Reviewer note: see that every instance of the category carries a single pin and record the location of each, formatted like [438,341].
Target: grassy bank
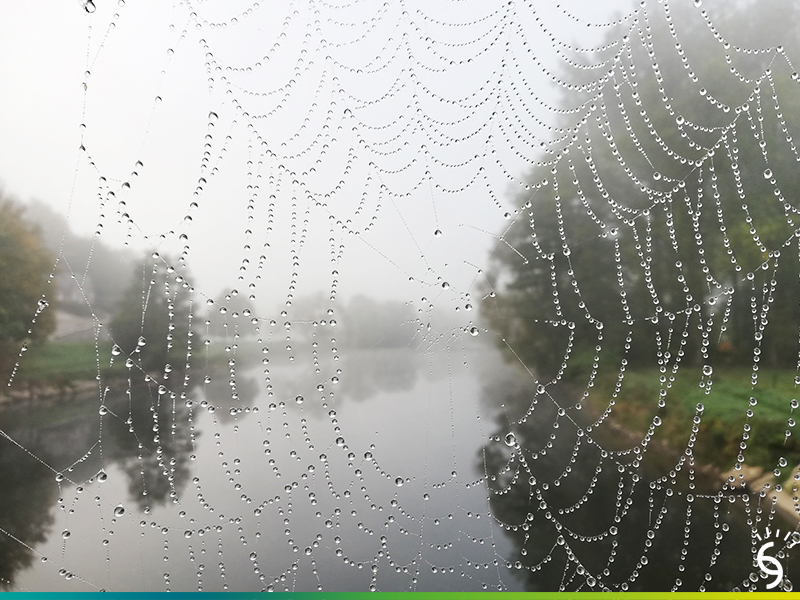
[724,418]
[56,364]
[59,364]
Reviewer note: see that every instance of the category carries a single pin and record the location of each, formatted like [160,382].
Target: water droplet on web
[141,341]
[438,233]
[299,399]
[116,350]
[399,482]
[707,370]
[511,439]
[89,6]
[65,534]
[445,285]
[473,331]
[767,173]
[119,510]
[102,477]
[102,410]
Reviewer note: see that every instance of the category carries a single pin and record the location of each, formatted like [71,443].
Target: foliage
[101,274]
[25,266]
[152,322]
[671,198]
[66,362]
[723,417]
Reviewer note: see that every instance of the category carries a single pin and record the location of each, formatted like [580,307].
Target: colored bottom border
[423,595]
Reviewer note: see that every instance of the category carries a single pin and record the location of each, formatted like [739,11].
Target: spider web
[377,186]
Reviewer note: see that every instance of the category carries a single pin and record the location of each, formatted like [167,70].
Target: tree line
[47,268]
[668,226]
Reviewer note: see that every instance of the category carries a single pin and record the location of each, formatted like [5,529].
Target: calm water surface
[399,476]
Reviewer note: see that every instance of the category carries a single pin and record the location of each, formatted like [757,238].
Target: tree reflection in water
[25,518]
[580,521]
[149,439]
[152,445]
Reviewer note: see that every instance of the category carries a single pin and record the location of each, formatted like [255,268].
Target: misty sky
[124,117]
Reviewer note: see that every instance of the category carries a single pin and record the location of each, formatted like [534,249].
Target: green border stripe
[421,595]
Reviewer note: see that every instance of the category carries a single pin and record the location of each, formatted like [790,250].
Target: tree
[25,266]
[672,209]
[102,272]
[152,322]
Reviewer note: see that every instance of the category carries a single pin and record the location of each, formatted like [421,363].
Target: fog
[122,118]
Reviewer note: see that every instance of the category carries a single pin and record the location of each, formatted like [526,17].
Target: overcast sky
[112,112]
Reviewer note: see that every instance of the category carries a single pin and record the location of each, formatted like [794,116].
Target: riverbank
[714,421]
[61,371]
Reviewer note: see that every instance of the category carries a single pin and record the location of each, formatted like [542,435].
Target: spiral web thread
[393,131]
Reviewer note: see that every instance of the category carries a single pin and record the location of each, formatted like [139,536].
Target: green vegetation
[723,416]
[151,322]
[668,202]
[101,273]
[61,364]
[659,227]
[24,268]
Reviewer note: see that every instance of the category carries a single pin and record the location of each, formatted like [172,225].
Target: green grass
[58,364]
[724,414]
[63,363]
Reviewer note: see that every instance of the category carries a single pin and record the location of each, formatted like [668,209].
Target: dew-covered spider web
[444,295]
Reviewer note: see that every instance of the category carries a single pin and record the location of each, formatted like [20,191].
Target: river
[389,469]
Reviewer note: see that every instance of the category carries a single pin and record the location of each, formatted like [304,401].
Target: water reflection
[68,447]
[582,517]
[243,466]
[25,509]
[151,440]
[375,484]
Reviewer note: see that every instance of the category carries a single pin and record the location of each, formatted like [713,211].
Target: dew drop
[399,482]
[767,173]
[511,439]
[119,510]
